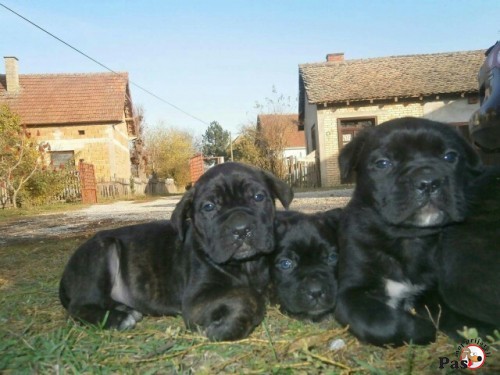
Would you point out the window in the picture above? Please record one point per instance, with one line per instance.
(59, 159)
(81, 132)
(349, 127)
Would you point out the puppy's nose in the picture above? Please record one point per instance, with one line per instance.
(428, 185)
(241, 231)
(315, 291)
(240, 225)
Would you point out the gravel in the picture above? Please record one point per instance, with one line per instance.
(100, 216)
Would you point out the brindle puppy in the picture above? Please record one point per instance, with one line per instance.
(208, 263)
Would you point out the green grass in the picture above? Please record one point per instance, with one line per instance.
(36, 336)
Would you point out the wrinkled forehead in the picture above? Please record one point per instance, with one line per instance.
(230, 184)
(305, 235)
(410, 144)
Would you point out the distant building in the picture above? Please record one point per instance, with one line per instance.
(337, 98)
(85, 116)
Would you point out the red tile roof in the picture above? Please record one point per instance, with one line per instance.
(294, 136)
(67, 98)
(393, 76)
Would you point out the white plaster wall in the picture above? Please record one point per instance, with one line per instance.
(298, 152)
(451, 111)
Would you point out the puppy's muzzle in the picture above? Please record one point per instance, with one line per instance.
(429, 186)
(314, 291)
(242, 227)
(427, 182)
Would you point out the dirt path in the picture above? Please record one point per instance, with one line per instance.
(100, 216)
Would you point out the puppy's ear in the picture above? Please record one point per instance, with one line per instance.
(182, 214)
(329, 219)
(281, 223)
(350, 155)
(332, 217)
(280, 189)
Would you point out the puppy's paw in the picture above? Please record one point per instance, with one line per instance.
(227, 323)
(231, 317)
(129, 322)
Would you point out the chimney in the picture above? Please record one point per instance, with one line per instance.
(335, 57)
(11, 74)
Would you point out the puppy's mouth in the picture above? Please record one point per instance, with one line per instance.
(243, 251)
(320, 308)
(429, 215)
(311, 312)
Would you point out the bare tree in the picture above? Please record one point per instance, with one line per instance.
(138, 154)
(275, 121)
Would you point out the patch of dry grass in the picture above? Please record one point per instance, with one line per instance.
(37, 337)
(11, 213)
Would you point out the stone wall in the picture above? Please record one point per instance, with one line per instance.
(103, 145)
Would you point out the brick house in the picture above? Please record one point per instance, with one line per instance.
(339, 97)
(284, 126)
(85, 116)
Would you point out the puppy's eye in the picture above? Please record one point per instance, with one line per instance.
(383, 163)
(332, 259)
(451, 156)
(207, 207)
(285, 264)
(259, 197)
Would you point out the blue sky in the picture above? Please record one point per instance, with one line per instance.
(215, 59)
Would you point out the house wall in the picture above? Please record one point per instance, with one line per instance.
(298, 152)
(310, 119)
(104, 145)
(452, 111)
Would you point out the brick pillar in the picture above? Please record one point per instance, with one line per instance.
(335, 57)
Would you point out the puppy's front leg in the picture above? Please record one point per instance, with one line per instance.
(224, 313)
(375, 322)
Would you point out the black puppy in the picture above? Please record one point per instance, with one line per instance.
(411, 176)
(304, 266)
(469, 275)
(208, 263)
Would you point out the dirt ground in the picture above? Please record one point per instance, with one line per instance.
(101, 216)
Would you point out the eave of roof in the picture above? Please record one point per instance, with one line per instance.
(51, 99)
(389, 77)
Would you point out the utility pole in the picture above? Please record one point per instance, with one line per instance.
(231, 145)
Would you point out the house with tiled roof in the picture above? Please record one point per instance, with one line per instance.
(85, 117)
(285, 127)
(339, 97)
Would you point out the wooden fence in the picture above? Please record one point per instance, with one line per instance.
(115, 188)
(72, 191)
(302, 173)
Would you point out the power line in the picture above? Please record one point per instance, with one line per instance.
(102, 65)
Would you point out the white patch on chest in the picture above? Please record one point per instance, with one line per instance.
(119, 291)
(401, 292)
